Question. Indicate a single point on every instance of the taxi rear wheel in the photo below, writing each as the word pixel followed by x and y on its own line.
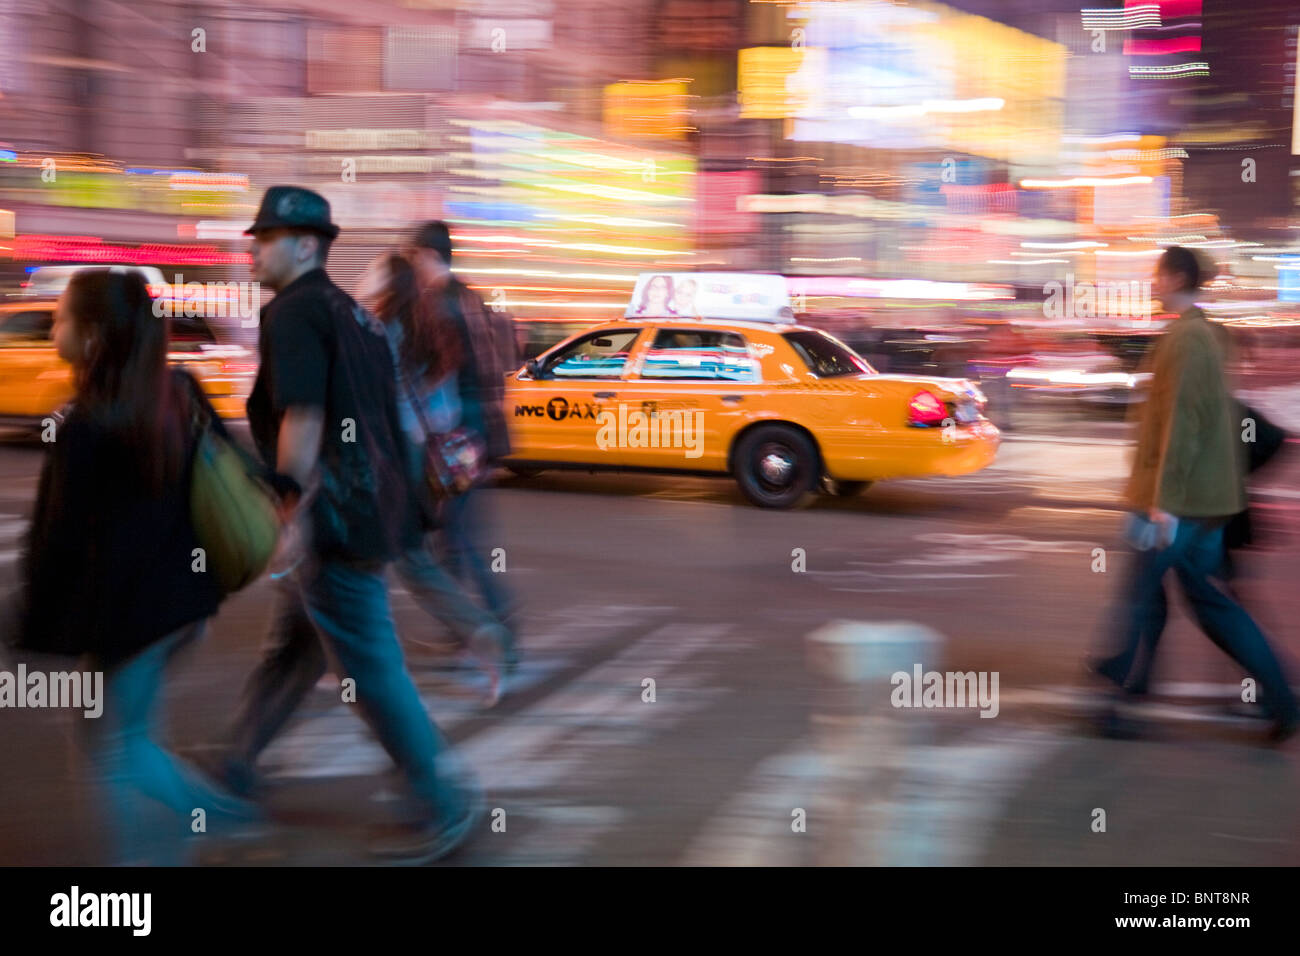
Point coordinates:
pixel 775 466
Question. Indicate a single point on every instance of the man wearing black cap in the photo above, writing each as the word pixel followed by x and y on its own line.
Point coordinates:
pixel 324 417
pixel 489 353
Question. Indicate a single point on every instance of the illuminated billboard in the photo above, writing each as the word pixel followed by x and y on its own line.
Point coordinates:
pixel 925 76
pixel 716 295
pixel 555 226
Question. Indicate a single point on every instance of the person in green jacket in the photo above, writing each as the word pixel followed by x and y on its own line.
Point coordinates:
pixel 1188 479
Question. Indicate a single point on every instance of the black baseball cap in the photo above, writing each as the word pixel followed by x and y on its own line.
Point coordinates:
pixel 292 207
pixel 436 236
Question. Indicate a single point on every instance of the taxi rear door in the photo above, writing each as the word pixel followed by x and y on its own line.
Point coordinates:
pixel 697 387
pixel 34 381
pixel 555 415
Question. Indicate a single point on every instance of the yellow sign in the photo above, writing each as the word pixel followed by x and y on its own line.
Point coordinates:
pixel 915 76
pixel 647 109
pixel 769 88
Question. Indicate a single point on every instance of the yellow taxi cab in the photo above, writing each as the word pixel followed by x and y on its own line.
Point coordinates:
pixel 708 374
pixel 34 381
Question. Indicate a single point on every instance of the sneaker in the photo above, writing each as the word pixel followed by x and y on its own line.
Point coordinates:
pixel 510 664
pixel 487 648
pixel 432 841
pixel 510 655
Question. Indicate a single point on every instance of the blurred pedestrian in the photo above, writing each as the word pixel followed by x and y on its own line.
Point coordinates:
pixel 488 353
pixel 323 413
pixel 109 566
pixel 427 353
pixel 1188 481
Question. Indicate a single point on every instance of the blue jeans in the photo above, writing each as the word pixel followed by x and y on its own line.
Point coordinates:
pixel 132 769
pixel 441 596
pixel 1196 556
pixel 337 615
pixel 438 592
pixel 464 518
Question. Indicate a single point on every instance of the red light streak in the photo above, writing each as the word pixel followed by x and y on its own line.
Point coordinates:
pixel 94 249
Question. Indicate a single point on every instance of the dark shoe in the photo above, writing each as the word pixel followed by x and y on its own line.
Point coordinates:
pixel 1100 667
pixel 231 815
pixel 1113 725
pixel 1283 729
pixel 1239 708
pixel 1108 671
pixel 431 841
pixel 229 774
pixel 234 809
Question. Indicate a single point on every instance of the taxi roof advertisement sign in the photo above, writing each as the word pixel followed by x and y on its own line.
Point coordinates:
pixel 711 295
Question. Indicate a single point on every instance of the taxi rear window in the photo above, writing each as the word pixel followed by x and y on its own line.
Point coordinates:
pixel 700 355
pixel 190 332
pixel 28 325
pixel 824 356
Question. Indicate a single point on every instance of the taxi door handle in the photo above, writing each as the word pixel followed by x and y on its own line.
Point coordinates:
pixel 732 399
pixel 603 395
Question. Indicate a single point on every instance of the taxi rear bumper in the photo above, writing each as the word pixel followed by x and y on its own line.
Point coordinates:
pixel 922 453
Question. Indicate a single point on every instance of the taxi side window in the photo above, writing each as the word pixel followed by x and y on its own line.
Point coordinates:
pixel 699 355
pixel 599 355
pixel 190 333
pixel 28 325
pixel 826 357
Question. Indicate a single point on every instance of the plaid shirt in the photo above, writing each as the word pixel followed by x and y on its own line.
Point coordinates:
pixel 491 355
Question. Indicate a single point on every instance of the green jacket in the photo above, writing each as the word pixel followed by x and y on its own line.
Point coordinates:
pixel 1191 459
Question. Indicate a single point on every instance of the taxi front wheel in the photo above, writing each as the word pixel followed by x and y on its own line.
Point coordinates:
pixel 776 466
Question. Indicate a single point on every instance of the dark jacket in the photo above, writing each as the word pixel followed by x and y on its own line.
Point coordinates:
pixel 489 354
pixel 319 349
pixel 108 565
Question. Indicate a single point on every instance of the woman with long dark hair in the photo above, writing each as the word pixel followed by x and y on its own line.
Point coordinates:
pixel 112 568
pixel 427 354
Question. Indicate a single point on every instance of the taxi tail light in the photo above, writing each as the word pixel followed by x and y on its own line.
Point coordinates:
pixel 925 410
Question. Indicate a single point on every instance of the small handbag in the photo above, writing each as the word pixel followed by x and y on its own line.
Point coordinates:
pixel 453 462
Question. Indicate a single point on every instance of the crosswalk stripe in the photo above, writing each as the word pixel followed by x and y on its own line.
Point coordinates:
pixel 918 805
pixel 336 743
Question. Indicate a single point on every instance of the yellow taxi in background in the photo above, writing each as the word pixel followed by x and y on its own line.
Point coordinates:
pixel 707 374
pixel 34 381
